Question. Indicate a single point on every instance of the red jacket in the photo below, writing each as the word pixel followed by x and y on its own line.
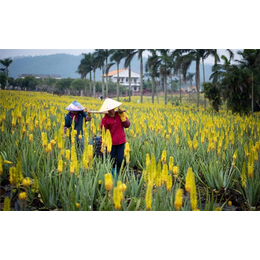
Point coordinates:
pixel 116 128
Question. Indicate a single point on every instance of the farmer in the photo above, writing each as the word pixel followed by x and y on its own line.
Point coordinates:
pixel 78 112
pixel 115 121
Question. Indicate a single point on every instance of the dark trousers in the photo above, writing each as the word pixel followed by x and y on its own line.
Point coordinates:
pixel 117 153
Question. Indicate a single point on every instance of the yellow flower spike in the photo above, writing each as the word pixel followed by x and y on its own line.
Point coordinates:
pixel 169 182
pixel 72 168
pixel 108 181
pixel 250 171
pixel 22 196
pixel 163 158
pixel 44 139
pixel 193 197
pixel 30 138
pixel 158 177
pixel 26 182
pixel 171 163
pixel 48 148
pixel 189 180
pixel 7 162
pixel 99 182
pixel 60 166
pixel 124 187
pixel 243 175
pixel 235 155
pixel 148 160
pixel 12 174
pixel 77 205
pixel 178 199
pixel 148 195
pixel 67 154
pixel 117 198
pixel 165 174
pixel 6 204
pixel 175 171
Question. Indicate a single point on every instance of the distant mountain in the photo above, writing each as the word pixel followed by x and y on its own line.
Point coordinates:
pixel 66 65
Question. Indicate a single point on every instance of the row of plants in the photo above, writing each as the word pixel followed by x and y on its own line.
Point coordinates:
pixel 175 158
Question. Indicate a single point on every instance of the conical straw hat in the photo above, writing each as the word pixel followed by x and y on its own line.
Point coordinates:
pixel 109 104
pixel 75 106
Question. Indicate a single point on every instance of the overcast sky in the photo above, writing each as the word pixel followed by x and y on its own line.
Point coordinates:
pixel 10 53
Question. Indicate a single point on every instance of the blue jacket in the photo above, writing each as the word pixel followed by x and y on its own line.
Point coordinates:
pixel 78 125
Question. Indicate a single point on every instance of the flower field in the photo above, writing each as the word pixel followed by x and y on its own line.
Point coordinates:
pixel 175 158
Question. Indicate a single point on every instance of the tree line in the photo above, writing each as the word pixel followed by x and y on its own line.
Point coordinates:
pixel 236 84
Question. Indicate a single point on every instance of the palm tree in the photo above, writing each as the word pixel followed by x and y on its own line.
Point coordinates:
pixel 236 89
pixel 165 61
pixel 140 57
pixel 151 66
pixel 85 67
pixel 6 63
pixel 221 70
pixel 250 60
pixel 204 54
pixel 190 80
pixel 100 58
pixel 194 55
pixel 129 54
pixel 117 56
pixel 95 65
pixel 181 66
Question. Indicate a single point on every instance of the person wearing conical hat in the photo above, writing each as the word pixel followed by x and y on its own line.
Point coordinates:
pixel 115 122
pixel 79 114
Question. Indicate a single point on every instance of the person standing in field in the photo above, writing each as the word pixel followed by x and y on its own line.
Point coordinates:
pixel 115 122
pixel 79 114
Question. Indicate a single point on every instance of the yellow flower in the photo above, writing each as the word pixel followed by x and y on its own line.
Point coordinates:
pixel 60 166
pixel 44 139
pixel 72 168
pixel 117 198
pixel 48 148
pixel 53 142
pixel 148 195
pixel 178 199
pixel 164 174
pixel 77 205
pixel 250 170
pixel 108 181
pixel 67 154
pixel 12 173
pixel 26 182
pixel 169 182
pixel 7 162
pixel 243 175
pixel 30 138
pixel 175 171
pixel 229 203
pixel 163 158
pixel 6 204
pixel 22 196
pixel 100 181
pixel 171 163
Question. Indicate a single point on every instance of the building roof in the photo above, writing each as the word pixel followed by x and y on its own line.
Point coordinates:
pixel 113 72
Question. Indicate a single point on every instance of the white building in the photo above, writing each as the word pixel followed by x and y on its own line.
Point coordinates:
pixel 124 78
